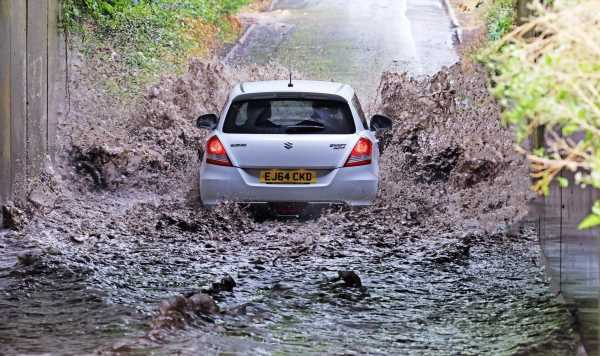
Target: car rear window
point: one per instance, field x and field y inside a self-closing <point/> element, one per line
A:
<point x="291" y="116"/>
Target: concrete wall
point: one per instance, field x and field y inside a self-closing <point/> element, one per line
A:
<point x="572" y="256"/>
<point x="32" y="90"/>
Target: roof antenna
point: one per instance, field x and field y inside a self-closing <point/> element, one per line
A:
<point x="290" y="84"/>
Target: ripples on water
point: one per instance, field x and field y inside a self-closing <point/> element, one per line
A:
<point x="102" y="297"/>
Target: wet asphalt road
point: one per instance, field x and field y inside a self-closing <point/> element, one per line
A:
<point x="351" y="41"/>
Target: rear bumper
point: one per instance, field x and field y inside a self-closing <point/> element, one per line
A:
<point x="354" y="186"/>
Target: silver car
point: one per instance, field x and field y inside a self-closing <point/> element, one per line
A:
<point x="290" y="144"/>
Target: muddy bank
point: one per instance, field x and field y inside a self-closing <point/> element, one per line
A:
<point x="117" y="232"/>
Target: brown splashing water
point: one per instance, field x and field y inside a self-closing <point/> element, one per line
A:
<point x="440" y="272"/>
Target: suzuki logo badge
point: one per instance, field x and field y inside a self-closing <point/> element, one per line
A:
<point x="288" y="145"/>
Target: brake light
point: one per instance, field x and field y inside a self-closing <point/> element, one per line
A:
<point x="361" y="153"/>
<point x="215" y="153"/>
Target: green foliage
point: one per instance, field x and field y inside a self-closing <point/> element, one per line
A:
<point x="552" y="79"/>
<point x="148" y="36"/>
<point x="112" y="12"/>
<point x="563" y="182"/>
<point x="499" y="19"/>
<point x="593" y="219"/>
<point x="144" y="22"/>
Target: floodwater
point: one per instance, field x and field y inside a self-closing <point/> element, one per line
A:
<point x="453" y="293"/>
<point x="351" y="41"/>
<point x="106" y="271"/>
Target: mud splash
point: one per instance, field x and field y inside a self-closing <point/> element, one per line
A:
<point x="448" y="143"/>
<point x="154" y="145"/>
<point x="113" y="264"/>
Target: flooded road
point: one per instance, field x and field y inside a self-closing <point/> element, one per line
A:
<point x="351" y="41"/>
<point x="454" y="293"/>
<point x="135" y="266"/>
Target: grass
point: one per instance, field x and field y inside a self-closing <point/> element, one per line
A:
<point x="139" y="40"/>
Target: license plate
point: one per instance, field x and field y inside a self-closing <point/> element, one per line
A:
<point x="288" y="176"/>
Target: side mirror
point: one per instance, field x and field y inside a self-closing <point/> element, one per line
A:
<point x="380" y="122"/>
<point x="208" y="121"/>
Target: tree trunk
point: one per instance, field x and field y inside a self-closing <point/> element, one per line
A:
<point x="522" y="9"/>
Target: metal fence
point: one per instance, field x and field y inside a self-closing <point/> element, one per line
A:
<point x="32" y="90"/>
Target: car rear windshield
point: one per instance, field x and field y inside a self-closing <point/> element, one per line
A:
<point x="289" y="116"/>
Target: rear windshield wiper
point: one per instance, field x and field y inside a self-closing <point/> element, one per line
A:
<point x="305" y="128"/>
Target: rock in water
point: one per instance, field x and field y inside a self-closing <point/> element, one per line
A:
<point x="177" y="312"/>
<point x="176" y="304"/>
<point x="350" y="278"/>
<point x="198" y="303"/>
<point x="227" y="283"/>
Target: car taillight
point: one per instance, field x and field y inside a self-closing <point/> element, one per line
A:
<point x="361" y="153"/>
<point x="215" y="153"/>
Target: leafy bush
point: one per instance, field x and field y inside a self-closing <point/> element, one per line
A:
<point x="499" y="19"/>
<point x="547" y="73"/>
<point x="150" y="36"/>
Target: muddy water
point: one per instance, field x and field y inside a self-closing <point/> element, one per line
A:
<point x="450" y="292"/>
<point x="108" y="244"/>
<point x="90" y="271"/>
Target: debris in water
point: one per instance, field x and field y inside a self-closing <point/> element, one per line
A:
<point x="78" y="238"/>
<point x="29" y="258"/>
<point x="177" y="312"/>
<point x="14" y="218"/>
<point x="350" y="278"/>
<point x="455" y="252"/>
<point x="227" y="284"/>
<point x="201" y="303"/>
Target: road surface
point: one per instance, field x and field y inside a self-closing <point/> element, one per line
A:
<point x="351" y="41"/>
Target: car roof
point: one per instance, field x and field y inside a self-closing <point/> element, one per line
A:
<point x="300" y="86"/>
